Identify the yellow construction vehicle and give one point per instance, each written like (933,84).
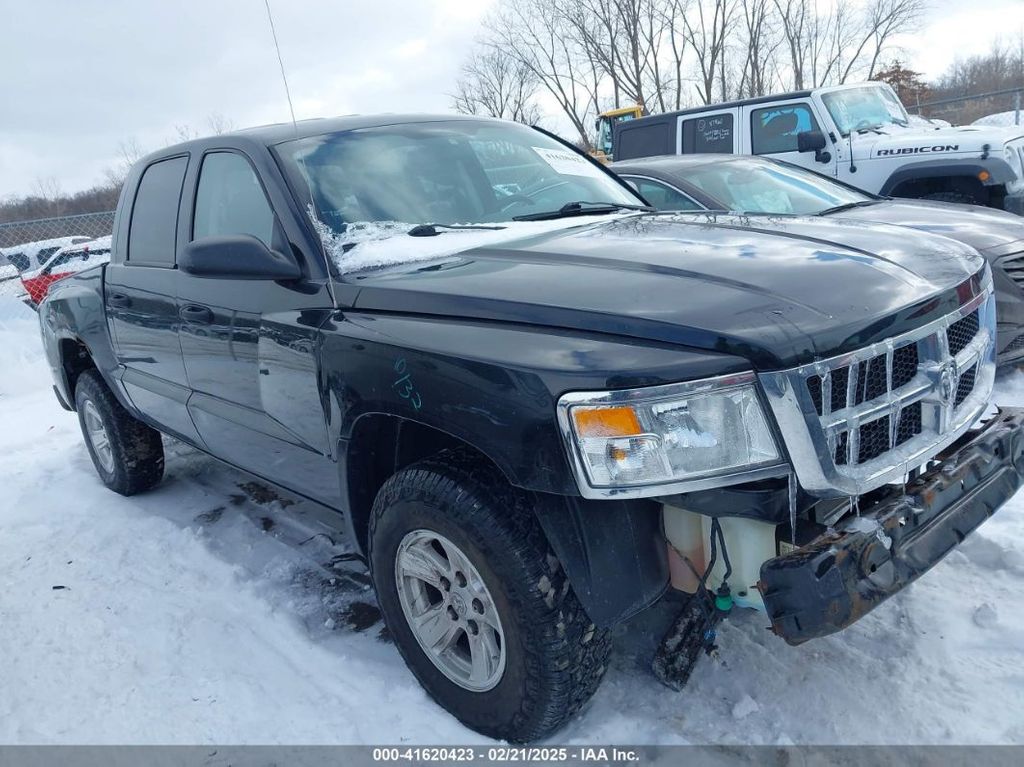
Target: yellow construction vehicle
(605,123)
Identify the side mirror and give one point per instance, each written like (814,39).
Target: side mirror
(240,257)
(597,125)
(810,141)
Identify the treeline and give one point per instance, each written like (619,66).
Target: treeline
(1002,68)
(45,205)
(585,56)
(48,200)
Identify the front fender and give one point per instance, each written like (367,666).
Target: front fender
(493,386)
(1000,173)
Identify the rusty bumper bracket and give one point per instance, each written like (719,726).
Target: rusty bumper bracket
(839,577)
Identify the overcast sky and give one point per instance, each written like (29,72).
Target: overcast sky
(82,76)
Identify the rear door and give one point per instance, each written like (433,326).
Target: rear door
(139,293)
(713,132)
(250,345)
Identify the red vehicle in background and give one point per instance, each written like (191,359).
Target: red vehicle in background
(65,262)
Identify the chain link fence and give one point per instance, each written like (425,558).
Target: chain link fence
(35,254)
(999,108)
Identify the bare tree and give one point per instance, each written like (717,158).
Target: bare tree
(707,29)
(880,21)
(219,124)
(496,84)
(760,42)
(537,35)
(129,152)
(47,190)
(844,40)
(184,132)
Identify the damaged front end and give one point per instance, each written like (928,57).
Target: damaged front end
(900,533)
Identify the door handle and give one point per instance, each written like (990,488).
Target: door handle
(197,315)
(119,300)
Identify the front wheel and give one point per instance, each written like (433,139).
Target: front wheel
(477,603)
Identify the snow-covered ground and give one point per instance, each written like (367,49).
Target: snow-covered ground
(211,611)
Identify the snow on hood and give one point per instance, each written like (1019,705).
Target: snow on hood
(379,244)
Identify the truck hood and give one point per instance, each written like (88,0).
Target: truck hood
(933,144)
(991,231)
(776,291)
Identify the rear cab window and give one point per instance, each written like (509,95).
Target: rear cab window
(151,236)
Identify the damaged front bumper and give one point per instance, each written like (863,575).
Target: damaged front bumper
(839,577)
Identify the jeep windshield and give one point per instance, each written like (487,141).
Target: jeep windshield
(755,185)
(868,108)
(457,172)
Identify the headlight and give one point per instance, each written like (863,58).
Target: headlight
(665,439)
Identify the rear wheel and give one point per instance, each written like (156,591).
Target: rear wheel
(127,454)
(477,603)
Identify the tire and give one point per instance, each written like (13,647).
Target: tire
(553,656)
(133,458)
(957,197)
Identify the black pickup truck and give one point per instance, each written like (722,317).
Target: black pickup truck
(533,404)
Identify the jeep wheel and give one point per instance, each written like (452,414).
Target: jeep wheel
(477,603)
(127,454)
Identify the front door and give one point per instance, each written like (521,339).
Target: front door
(249,345)
(139,293)
(774,129)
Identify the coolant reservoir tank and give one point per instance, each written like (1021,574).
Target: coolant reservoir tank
(749,542)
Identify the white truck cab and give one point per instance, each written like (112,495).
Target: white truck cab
(858,133)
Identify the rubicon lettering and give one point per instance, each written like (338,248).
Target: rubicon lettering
(919,149)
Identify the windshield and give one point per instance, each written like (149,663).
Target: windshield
(866,108)
(751,185)
(459,172)
(606,126)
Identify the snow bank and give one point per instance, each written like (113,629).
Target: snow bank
(21,350)
(1000,119)
(378,244)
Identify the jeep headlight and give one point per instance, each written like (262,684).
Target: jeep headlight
(665,439)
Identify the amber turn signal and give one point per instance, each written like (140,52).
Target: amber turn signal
(606,422)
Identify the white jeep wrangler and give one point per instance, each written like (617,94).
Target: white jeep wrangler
(860,134)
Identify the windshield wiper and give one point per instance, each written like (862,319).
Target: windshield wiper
(847,206)
(432,230)
(582,208)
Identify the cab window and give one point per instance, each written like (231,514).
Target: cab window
(151,237)
(230,200)
(774,129)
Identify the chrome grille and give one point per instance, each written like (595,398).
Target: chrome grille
(854,422)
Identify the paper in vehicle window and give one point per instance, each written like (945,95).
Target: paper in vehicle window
(569,163)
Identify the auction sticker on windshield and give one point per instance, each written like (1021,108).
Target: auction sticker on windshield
(567,163)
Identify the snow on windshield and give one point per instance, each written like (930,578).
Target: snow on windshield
(378,244)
